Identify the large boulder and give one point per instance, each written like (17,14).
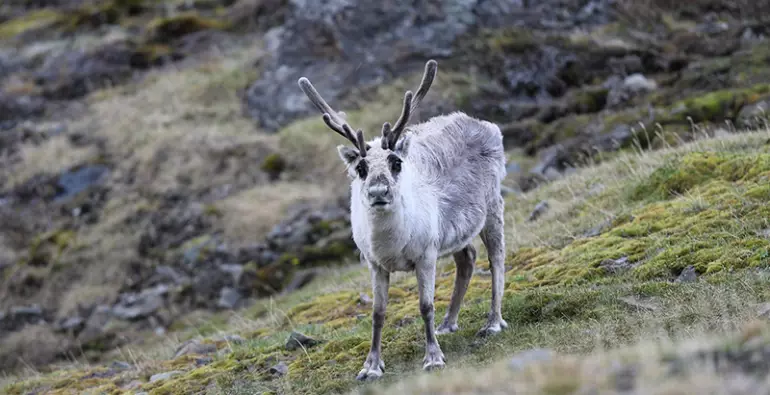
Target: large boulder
(339,45)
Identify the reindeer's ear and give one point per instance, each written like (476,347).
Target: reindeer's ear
(402,145)
(347,154)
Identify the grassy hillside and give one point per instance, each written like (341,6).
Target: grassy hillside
(658,246)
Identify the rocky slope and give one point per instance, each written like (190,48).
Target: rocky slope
(159,160)
(663,248)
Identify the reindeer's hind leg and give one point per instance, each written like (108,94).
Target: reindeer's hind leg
(494,240)
(465,259)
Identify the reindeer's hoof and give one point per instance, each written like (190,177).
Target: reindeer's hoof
(492,328)
(445,328)
(371,373)
(433,360)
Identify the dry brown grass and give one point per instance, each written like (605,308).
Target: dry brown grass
(49,157)
(249,215)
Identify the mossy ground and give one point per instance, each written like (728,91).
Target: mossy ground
(702,204)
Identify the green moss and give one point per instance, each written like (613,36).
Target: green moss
(715,106)
(274,164)
(34,20)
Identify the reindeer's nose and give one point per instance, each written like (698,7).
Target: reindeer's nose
(378,192)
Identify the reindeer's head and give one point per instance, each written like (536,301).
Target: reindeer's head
(376,168)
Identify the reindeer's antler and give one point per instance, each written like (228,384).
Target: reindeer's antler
(332,118)
(391,135)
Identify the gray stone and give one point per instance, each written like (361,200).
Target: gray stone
(135,306)
(639,83)
(228,298)
(688,275)
(279,369)
(298,340)
(120,365)
(234,270)
(754,116)
(75,181)
(73,324)
(364,298)
(540,209)
(616,266)
(165,375)
(339,45)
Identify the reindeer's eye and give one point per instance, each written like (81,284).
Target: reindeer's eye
(362,169)
(395,163)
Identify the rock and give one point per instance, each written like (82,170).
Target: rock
(165,375)
(540,209)
(228,298)
(364,299)
(120,365)
(281,369)
(135,306)
(298,340)
(72,182)
(17,317)
(754,116)
(623,92)
(194,347)
(18,107)
(232,269)
(637,83)
(67,74)
(616,266)
(167,274)
(523,359)
(711,25)
(203,361)
(688,275)
(71,325)
(342,45)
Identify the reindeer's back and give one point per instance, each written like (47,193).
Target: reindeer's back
(456,146)
(462,158)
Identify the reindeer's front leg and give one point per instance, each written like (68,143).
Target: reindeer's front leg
(426,284)
(374,367)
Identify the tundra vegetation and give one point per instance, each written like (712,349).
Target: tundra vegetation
(175,214)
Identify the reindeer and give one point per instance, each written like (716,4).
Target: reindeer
(418,194)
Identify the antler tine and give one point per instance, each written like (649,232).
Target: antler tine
(431,68)
(317,100)
(406,112)
(337,128)
(361,143)
(411,101)
(385,135)
(333,119)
